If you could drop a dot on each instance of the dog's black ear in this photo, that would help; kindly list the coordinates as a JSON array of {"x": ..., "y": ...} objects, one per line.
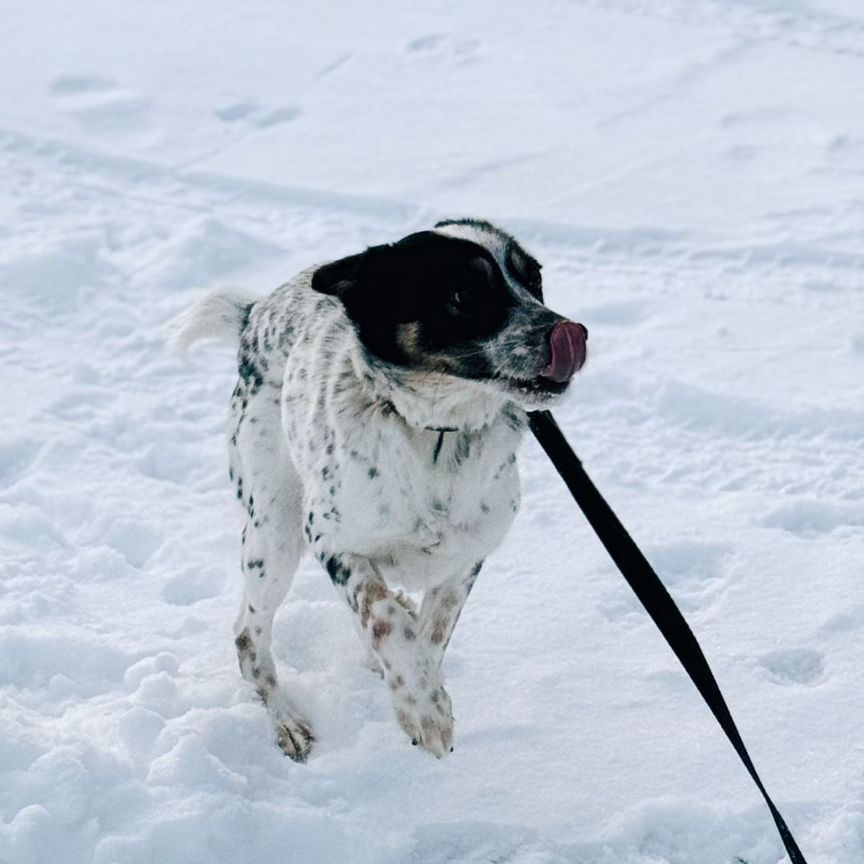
[{"x": 339, "y": 278}]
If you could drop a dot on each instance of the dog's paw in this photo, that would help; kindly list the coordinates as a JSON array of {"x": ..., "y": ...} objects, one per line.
[
  {"x": 373, "y": 664},
  {"x": 406, "y": 603},
  {"x": 428, "y": 721},
  {"x": 294, "y": 738}
]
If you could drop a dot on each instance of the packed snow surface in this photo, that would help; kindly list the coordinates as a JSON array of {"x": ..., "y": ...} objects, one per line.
[{"x": 690, "y": 174}]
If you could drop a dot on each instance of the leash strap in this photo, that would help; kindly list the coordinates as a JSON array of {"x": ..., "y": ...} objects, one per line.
[{"x": 652, "y": 595}]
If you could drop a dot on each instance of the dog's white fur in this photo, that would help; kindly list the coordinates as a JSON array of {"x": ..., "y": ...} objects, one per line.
[{"x": 395, "y": 478}]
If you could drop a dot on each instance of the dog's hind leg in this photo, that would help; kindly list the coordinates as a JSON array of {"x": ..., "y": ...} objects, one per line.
[
  {"x": 268, "y": 569},
  {"x": 273, "y": 544}
]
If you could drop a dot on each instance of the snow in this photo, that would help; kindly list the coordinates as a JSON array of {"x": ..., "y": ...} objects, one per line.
[{"x": 689, "y": 172}]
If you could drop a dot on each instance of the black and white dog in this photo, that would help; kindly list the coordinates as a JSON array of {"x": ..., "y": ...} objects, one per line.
[{"x": 380, "y": 402}]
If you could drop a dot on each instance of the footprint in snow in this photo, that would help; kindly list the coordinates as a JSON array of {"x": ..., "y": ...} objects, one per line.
[
  {"x": 236, "y": 111},
  {"x": 757, "y": 119},
  {"x": 692, "y": 572},
  {"x": 193, "y": 585},
  {"x": 135, "y": 541},
  {"x": 100, "y": 104},
  {"x": 251, "y": 113},
  {"x": 75, "y": 85},
  {"x": 16, "y": 457},
  {"x": 441, "y": 47},
  {"x": 794, "y": 666},
  {"x": 66, "y": 663},
  {"x": 808, "y": 519},
  {"x": 426, "y": 43},
  {"x": 621, "y": 608}
]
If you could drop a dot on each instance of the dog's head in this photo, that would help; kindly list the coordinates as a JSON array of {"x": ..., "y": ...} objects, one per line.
[{"x": 465, "y": 300}]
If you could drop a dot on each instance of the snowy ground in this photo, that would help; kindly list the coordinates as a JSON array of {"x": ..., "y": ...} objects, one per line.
[{"x": 690, "y": 173}]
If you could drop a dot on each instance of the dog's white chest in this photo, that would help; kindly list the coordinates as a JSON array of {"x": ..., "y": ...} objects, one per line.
[
  {"x": 421, "y": 503},
  {"x": 425, "y": 504}
]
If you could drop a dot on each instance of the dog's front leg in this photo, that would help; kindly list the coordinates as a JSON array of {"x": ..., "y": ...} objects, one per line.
[
  {"x": 441, "y": 608},
  {"x": 411, "y": 669}
]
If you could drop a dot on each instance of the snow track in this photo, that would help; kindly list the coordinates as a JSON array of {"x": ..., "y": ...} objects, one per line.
[{"x": 721, "y": 411}]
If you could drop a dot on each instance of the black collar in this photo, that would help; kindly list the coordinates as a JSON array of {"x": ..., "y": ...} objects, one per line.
[{"x": 390, "y": 407}]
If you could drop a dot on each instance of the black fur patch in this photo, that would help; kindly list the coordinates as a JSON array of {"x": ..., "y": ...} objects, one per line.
[
  {"x": 339, "y": 573},
  {"x": 415, "y": 301},
  {"x": 521, "y": 267}
]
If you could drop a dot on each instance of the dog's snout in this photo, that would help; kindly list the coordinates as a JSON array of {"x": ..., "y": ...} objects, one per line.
[{"x": 568, "y": 350}]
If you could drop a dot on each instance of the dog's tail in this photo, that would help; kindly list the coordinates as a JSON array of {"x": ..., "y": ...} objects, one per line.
[{"x": 221, "y": 314}]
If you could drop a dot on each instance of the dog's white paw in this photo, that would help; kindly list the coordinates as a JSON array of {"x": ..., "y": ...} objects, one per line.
[
  {"x": 373, "y": 664},
  {"x": 405, "y": 601},
  {"x": 427, "y": 720},
  {"x": 294, "y": 738}
]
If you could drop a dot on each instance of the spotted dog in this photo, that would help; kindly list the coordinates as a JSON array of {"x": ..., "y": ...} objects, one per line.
[{"x": 380, "y": 402}]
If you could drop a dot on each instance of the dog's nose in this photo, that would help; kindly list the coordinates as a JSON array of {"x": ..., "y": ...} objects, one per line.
[{"x": 568, "y": 346}]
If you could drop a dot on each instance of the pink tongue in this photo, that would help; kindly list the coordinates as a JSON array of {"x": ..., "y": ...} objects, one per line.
[{"x": 567, "y": 342}]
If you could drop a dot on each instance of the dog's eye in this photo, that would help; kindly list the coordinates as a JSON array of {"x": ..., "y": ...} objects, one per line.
[
  {"x": 461, "y": 302},
  {"x": 468, "y": 287},
  {"x": 456, "y": 303}
]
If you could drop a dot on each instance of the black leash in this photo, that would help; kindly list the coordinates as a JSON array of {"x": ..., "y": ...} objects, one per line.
[{"x": 652, "y": 595}]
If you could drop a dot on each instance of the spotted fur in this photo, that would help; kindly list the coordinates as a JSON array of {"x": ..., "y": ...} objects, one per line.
[{"x": 379, "y": 404}]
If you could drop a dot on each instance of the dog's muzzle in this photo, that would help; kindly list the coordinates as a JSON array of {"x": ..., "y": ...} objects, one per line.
[{"x": 568, "y": 344}]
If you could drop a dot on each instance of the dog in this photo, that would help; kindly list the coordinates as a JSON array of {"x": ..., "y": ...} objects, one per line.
[{"x": 380, "y": 402}]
